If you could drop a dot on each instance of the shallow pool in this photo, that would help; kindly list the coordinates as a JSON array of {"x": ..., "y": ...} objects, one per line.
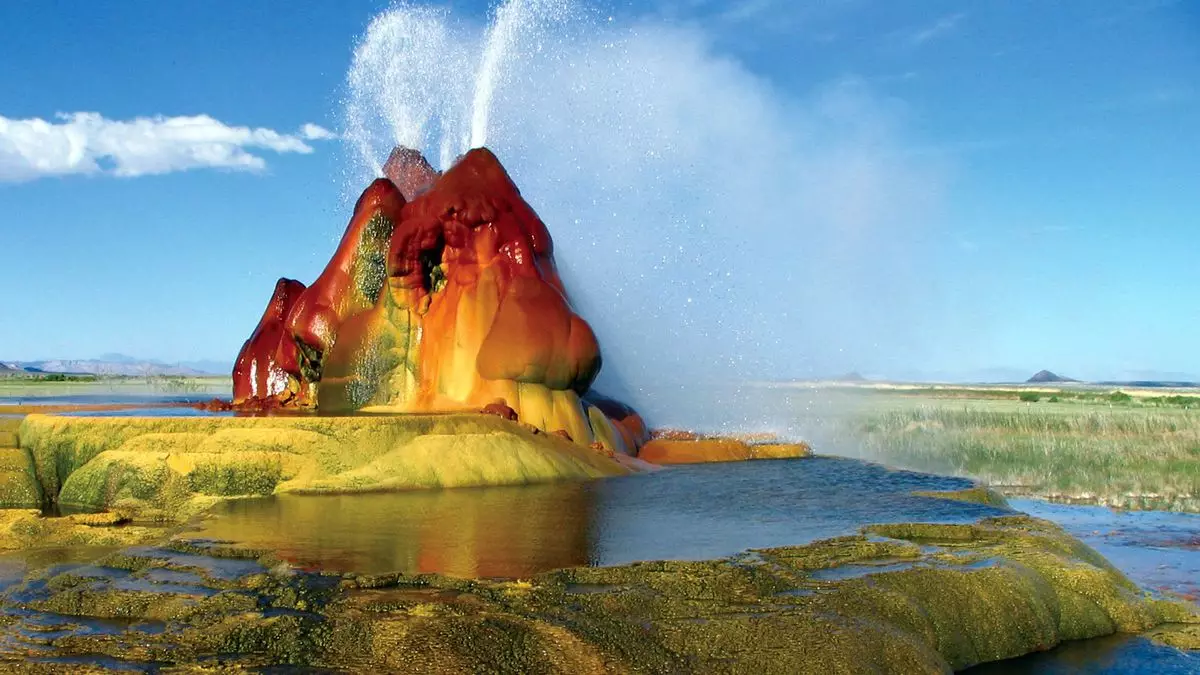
[{"x": 688, "y": 512}]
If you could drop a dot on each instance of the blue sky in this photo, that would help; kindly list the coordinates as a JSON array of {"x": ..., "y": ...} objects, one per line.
[{"x": 913, "y": 190}]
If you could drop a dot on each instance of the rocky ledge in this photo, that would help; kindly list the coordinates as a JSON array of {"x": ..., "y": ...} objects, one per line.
[
  {"x": 908, "y": 598},
  {"x": 169, "y": 468}
]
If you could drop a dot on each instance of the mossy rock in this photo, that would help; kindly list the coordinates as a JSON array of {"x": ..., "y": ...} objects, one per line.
[
  {"x": 28, "y": 528},
  {"x": 780, "y": 450},
  {"x": 702, "y": 450},
  {"x": 944, "y": 600},
  {"x": 9, "y": 426},
  {"x": 1178, "y": 635},
  {"x": 996, "y": 590},
  {"x": 979, "y": 494},
  {"x": 175, "y": 467},
  {"x": 19, "y": 486}
]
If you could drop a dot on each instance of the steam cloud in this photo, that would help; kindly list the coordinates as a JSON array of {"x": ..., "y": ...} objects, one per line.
[{"x": 712, "y": 228}]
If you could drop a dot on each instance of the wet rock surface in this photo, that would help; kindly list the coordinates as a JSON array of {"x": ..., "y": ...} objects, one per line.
[
  {"x": 18, "y": 485},
  {"x": 1161, "y": 550},
  {"x": 700, "y": 450},
  {"x": 893, "y": 596},
  {"x": 923, "y": 598},
  {"x": 167, "y": 469},
  {"x": 111, "y": 591}
]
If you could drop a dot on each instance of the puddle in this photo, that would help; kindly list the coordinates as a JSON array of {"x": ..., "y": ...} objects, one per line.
[
  {"x": 147, "y": 586},
  {"x": 843, "y": 572},
  {"x": 89, "y": 572},
  {"x": 223, "y": 569},
  {"x": 160, "y": 575}
]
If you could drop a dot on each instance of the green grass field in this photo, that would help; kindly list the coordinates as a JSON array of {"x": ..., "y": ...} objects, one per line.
[
  {"x": 101, "y": 386},
  {"x": 1122, "y": 451}
]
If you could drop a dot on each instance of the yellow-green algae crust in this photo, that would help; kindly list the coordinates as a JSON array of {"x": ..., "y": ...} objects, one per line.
[
  {"x": 979, "y": 494},
  {"x": 955, "y": 596},
  {"x": 174, "y": 467},
  {"x": 1178, "y": 635},
  {"x": 19, "y": 487},
  {"x": 27, "y": 528},
  {"x": 8, "y": 431}
]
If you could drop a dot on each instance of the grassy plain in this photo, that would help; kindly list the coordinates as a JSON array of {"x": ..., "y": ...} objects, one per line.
[
  {"x": 1139, "y": 450},
  {"x": 102, "y": 386}
]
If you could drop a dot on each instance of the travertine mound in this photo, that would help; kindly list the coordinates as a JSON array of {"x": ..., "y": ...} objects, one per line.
[
  {"x": 894, "y": 599},
  {"x": 443, "y": 295},
  {"x": 170, "y": 468}
]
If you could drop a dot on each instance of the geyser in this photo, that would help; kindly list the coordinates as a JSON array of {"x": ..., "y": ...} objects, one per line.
[
  {"x": 713, "y": 228},
  {"x": 418, "y": 80},
  {"x": 448, "y": 302}
]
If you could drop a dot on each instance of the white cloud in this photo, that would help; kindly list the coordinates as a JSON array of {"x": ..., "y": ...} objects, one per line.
[
  {"x": 314, "y": 132},
  {"x": 88, "y": 143}
]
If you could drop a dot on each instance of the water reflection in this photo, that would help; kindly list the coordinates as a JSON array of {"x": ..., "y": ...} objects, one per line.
[
  {"x": 484, "y": 532},
  {"x": 1118, "y": 654},
  {"x": 694, "y": 512}
]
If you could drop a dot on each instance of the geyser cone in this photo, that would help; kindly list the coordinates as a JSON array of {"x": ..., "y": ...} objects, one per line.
[
  {"x": 409, "y": 171},
  {"x": 264, "y": 371},
  {"x": 465, "y": 310},
  {"x": 351, "y": 283}
]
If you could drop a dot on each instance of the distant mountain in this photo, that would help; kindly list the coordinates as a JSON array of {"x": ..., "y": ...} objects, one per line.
[
  {"x": 117, "y": 365},
  {"x": 1153, "y": 384},
  {"x": 117, "y": 357},
  {"x": 12, "y": 368},
  {"x": 974, "y": 376},
  {"x": 1045, "y": 376},
  {"x": 1144, "y": 375},
  {"x": 852, "y": 376},
  {"x": 209, "y": 366},
  {"x": 197, "y": 367}
]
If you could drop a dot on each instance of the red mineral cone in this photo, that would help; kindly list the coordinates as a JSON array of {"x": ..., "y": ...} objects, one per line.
[
  {"x": 351, "y": 282},
  {"x": 449, "y": 300},
  {"x": 262, "y": 368},
  {"x": 409, "y": 171}
]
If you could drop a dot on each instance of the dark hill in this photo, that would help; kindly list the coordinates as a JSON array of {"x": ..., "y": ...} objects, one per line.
[{"x": 1044, "y": 376}]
